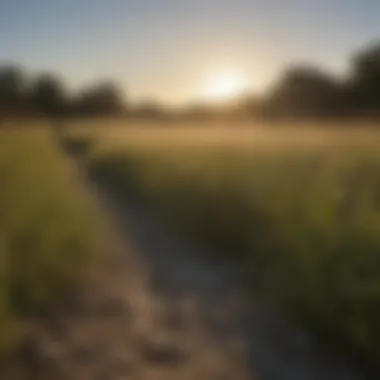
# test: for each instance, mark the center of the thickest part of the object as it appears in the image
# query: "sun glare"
(223, 86)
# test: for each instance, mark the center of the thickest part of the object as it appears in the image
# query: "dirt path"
(162, 312)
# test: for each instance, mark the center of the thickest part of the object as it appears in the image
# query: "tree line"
(46, 95)
(303, 91)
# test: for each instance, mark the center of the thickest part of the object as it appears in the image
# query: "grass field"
(299, 208)
(47, 229)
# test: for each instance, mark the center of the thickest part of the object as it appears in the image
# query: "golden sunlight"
(223, 86)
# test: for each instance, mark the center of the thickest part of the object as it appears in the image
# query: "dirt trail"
(163, 312)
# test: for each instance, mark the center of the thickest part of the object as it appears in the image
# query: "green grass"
(47, 229)
(304, 222)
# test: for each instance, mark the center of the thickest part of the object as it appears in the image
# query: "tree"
(304, 91)
(12, 90)
(48, 95)
(364, 86)
(104, 98)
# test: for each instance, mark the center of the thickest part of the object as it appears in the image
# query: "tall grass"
(47, 230)
(306, 225)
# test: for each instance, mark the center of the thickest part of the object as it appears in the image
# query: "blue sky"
(167, 48)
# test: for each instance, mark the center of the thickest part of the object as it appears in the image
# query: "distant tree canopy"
(47, 95)
(364, 85)
(302, 91)
(305, 92)
(101, 99)
(12, 90)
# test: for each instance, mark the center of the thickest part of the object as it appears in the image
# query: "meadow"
(48, 230)
(298, 207)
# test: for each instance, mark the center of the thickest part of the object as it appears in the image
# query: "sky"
(168, 49)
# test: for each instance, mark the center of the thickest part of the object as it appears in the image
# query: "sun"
(224, 86)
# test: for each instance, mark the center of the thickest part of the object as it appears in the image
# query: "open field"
(47, 229)
(300, 209)
(229, 134)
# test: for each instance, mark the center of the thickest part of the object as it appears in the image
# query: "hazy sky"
(168, 48)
